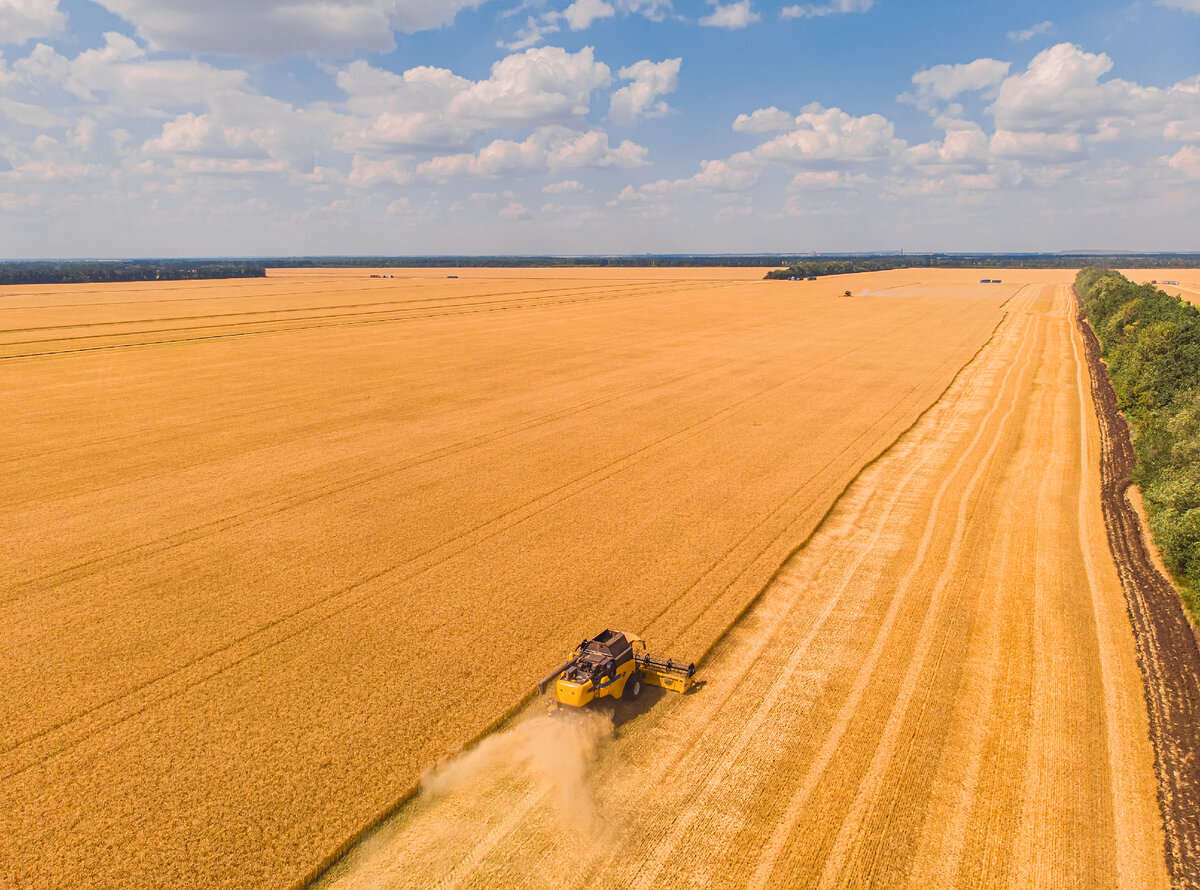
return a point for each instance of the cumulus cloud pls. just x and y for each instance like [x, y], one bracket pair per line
[640, 98]
[433, 107]
[733, 16]
[764, 120]
[817, 10]
[1061, 91]
[1031, 32]
[22, 20]
[547, 149]
[120, 76]
[1186, 161]
[582, 13]
[281, 27]
[941, 83]
[831, 137]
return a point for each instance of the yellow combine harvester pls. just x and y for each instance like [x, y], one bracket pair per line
[616, 665]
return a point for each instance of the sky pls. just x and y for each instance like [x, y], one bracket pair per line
[144, 128]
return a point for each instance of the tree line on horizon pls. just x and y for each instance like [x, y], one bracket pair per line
[819, 266]
[98, 271]
[1150, 342]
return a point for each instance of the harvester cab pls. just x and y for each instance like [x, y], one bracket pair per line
[613, 664]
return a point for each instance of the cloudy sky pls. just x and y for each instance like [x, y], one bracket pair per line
[283, 127]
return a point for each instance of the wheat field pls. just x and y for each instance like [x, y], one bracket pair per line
[272, 548]
[939, 690]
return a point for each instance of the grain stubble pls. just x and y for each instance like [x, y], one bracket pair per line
[939, 690]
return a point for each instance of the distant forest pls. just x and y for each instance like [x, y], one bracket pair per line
[817, 266]
[82, 271]
[794, 266]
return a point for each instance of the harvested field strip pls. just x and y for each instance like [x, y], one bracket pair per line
[940, 689]
[1167, 648]
[254, 579]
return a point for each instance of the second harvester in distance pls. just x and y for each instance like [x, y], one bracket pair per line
[614, 664]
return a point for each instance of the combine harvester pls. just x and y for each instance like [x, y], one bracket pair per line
[613, 665]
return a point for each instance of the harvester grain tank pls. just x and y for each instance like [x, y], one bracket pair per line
[614, 665]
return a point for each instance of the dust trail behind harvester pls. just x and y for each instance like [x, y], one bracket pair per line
[539, 772]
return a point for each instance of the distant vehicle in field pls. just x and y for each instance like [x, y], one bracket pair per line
[847, 294]
[985, 281]
[812, 277]
[451, 276]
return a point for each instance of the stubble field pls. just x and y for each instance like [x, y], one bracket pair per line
[939, 690]
[1188, 287]
[272, 548]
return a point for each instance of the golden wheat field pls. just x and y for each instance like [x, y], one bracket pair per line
[274, 547]
[938, 690]
[1188, 286]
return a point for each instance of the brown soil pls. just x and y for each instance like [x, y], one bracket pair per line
[1166, 646]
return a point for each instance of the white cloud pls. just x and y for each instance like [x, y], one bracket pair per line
[562, 188]
[831, 137]
[578, 16]
[764, 120]
[835, 7]
[1013, 144]
[22, 20]
[536, 29]
[547, 149]
[281, 27]
[965, 144]
[1034, 31]
[121, 78]
[582, 13]
[365, 172]
[732, 15]
[649, 81]
[655, 10]
[1184, 5]
[433, 107]
[1061, 92]
[1186, 161]
[942, 83]
[30, 115]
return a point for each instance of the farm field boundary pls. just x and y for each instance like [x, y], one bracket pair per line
[1167, 652]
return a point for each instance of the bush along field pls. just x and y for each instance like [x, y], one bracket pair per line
[1151, 343]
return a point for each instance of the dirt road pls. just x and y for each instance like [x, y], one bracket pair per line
[940, 689]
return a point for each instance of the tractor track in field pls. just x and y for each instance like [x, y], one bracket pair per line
[938, 690]
[1166, 643]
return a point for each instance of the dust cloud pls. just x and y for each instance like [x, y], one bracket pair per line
[536, 777]
[553, 754]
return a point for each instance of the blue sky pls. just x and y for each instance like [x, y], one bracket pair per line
[168, 127]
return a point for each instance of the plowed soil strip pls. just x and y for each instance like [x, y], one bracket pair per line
[940, 689]
[1167, 651]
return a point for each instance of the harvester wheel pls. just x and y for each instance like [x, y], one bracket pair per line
[633, 687]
